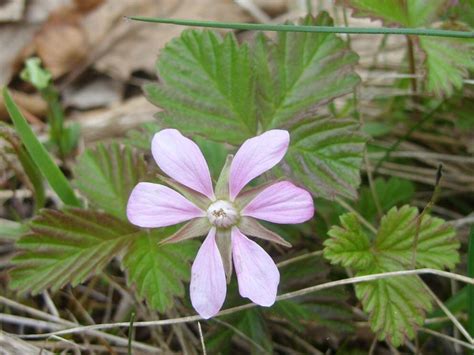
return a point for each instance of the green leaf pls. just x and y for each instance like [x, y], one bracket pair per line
[40, 156]
[447, 63]
[107, 174]
[67, 247]
[349, 245]
[159, 270]
[447, 60]
[325, 155]
[300, 73]
[437, 246]
[396, 306]
[37, 76]
[214, 87]
[395, 12]
[206, 87]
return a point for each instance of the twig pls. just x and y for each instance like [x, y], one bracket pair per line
[447, 337]
[352, 280]
[203, 345]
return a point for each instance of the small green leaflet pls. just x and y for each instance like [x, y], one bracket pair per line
[159, 270]
[447, 61]
[67, 247]
[396, 306]
[107, 174]
[395, 12]
[216, 88]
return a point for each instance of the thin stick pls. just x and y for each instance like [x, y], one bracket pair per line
[447, 337]
[203, 345]
[451, 316]
[241, 334]
[352, 280]
[304, 28]
[299, 258]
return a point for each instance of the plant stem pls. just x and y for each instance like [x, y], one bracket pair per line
[305, 28]
[470, 288]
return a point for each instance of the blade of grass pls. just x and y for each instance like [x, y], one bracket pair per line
[298, 28]
[40, 156]
[470, 288]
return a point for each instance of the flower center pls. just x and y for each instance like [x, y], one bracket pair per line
[222, 214]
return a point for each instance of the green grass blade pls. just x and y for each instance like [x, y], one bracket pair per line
[298, 28]
[40, 156]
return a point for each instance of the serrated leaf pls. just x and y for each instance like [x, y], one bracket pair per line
[436, 247]
[206, 87]
[159, 270]
[67, 247]
[106, 175]
[447, 63]
[447, 60]
[325, 155]
[300, 72]
[349, 245]
[396, 306]
[406, 13]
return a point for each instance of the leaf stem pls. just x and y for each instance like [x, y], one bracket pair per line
[306, 28]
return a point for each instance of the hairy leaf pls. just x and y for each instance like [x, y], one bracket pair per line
[396, 12]
[222, 90]
[300, 72]
[325, 155]
[436, 246]
[447, 60]
[349, 245]
[67, 247]
[159, 270]
[447, 63]
[396, 306]
[206, 87]
[107, 174]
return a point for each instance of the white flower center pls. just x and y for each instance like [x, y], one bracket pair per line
[222, 214]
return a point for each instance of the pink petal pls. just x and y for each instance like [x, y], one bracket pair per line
[153, 205]
[208, 284]
[256, 156]
[282, 203]
[180, 158]
[257, 274]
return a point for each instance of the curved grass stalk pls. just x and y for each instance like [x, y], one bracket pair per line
[351, 280]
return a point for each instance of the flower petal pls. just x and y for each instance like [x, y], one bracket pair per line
[282, 203]
[180, 158]
[153, 205]
[208, 284]
[256, 156]
[257, 274]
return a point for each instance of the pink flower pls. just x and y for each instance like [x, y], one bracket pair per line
[225, 214]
